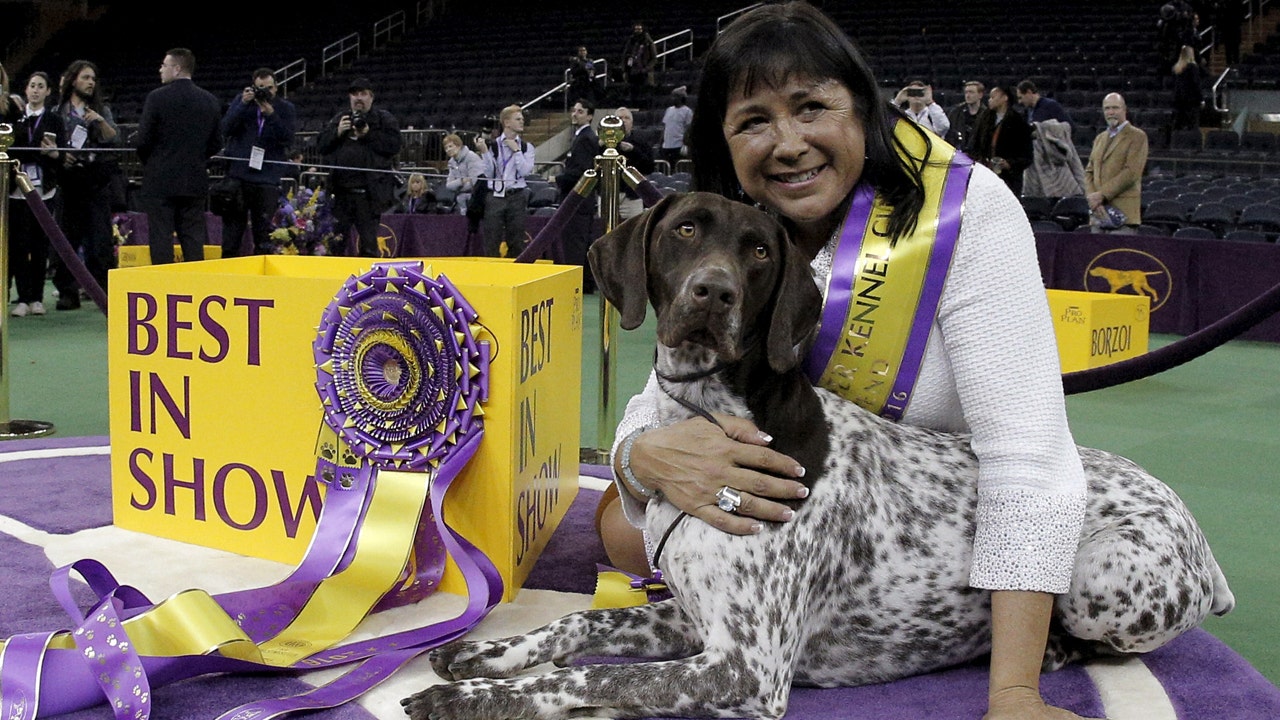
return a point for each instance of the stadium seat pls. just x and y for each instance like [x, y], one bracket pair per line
[1167, 214]
[1221, 142]
[1186, 141]
[1071, 212]
[1242, 235]
[1192, 232]
[1262, 217]
[1214, 216]
[1045, 226]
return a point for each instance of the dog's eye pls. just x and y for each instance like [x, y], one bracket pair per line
[762, 252]
[685, 230]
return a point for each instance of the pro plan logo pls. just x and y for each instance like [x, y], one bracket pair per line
[1129, 272]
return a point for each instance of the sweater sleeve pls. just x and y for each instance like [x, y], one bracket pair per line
[998, 338]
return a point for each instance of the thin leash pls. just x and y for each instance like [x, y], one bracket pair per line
[695, 409]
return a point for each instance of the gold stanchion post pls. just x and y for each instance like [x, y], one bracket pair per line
[609, 165]
[10, 429]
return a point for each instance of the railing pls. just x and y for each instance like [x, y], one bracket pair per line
[1216, 93]
[724, 20]
[598, 62]
[388, 28]
[682, 40]
[341, 51]
[296, 70]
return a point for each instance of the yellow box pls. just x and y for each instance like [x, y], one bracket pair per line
[1096, 329]
[136, 255]
[215, 413]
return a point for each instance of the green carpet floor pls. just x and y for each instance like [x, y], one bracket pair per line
[1209, 428]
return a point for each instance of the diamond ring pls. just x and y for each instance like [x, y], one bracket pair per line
[728, 499]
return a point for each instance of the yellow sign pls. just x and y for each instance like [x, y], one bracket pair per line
[215, 413]
[1096, 329]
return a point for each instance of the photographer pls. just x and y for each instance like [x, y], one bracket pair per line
[259, 129]
[357, 141]
[916, 99]
[508, 159]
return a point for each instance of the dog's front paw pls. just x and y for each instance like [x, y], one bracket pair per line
[466, 701]
[464, 659]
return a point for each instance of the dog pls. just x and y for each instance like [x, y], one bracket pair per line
[869, 580]
[1121, 279]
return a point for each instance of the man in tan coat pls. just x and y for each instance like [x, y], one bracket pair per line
[1113, 176]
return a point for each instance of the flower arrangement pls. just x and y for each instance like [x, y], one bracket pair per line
[303, 223]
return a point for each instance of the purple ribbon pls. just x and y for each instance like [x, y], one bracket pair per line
[398, 301]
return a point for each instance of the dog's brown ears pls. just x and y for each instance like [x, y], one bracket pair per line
[797, 303]
[619, 262]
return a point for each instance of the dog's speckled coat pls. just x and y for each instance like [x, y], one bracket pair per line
[869, 581]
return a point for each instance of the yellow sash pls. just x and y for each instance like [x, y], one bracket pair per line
[882, 297]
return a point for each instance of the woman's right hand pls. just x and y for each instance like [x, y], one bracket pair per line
[690, 461]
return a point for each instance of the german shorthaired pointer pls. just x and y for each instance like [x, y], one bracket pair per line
[869, 581]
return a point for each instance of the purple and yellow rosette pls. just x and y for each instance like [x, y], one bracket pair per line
[399, 370]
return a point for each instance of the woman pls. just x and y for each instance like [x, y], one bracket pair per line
[1188, 90]
[465, 166]
[1003, 138]
[42, 130]
[418, 198]
[10, 102]
[790, 117]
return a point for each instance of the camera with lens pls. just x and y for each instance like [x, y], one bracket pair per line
[488, 124]
[358, 120]
[261, 94]
[915, 92]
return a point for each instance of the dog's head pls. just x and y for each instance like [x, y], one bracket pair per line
[719, 274]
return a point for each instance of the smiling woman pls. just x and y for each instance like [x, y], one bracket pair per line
[791, 118]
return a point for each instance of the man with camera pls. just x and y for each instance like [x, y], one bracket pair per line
[259, 129]
[507, 161]
[916, 99]
[361, 143]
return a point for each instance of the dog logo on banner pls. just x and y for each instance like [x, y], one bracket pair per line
[1129, 272]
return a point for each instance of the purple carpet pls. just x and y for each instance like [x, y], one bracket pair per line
[1202, 679]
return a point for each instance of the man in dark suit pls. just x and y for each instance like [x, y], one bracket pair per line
[576, 236]
[177, 135]
[1003, 138]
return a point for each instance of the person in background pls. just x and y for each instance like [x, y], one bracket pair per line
[465, 166]
[39, 129]
[791, 117]
[582, 76]
[1188, 90]
[86, 180]
[963, 117]
[177, 134]
[1003, 139]
[11, 103]
[675, 125]
[639, 156]
[638, 57]
[916, 100]
[363, 141]
[418, 198]
[259, 127]
[1117, 160]
[577, 234]
[506, 163]
[1038, 107]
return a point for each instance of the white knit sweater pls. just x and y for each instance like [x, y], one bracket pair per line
[990, 368]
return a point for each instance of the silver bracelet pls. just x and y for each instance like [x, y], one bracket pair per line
[628, 475]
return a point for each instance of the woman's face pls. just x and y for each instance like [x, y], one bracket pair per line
[798, 149]
[417, 186]
[37, 90]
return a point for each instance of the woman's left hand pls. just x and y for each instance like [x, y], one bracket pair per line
[1024, 703]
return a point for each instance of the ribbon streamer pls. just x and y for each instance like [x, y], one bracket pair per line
[401, 376]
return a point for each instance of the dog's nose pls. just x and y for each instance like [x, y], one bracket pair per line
[713, 289]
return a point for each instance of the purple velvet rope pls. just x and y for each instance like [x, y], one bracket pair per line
[649, 194]
[1177, 353]
[65, 251]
